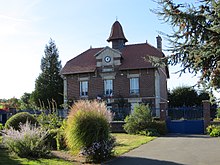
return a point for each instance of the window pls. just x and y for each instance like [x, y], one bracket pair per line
[83, 88]
[108, 87]
[134, 85]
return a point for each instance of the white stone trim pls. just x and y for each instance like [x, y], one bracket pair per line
[83, 79]
[133, 75]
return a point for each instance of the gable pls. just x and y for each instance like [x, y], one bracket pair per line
[108, 57]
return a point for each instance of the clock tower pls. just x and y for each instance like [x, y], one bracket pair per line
[117, 36]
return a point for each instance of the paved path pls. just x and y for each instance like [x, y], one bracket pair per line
[174, 150]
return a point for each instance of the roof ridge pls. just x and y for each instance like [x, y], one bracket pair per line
[144, 43]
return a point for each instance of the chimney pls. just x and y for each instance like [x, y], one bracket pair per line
[159, 42]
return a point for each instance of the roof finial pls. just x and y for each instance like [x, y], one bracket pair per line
[116, 18]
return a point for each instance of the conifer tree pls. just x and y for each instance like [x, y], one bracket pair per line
[49, 84]
[195, 41]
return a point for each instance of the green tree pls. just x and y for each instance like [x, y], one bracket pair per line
[186, 96]
[49, 84]
[195, 40]
[26, 102]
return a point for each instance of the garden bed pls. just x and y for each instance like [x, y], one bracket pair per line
[124, 143]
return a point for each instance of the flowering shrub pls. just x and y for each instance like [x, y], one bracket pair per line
[28, 141]
[99, 150]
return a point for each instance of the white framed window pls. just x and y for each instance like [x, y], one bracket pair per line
[83, 88]
[108, 87]
[134, 85]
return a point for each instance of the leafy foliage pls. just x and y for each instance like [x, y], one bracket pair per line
[26, 102]
[213, 130]
[218, 113]
[54, 124]
[195, 40]
[186, 96]
[86, 125]
[1, 126]
[27, 142]
[49, 84]
[138, 120]
[49, 121]
[159, 126]
[141, 122]
[99, 150]
[22, 118]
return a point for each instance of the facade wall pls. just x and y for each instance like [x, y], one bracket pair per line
[163, 85]
[121, 84]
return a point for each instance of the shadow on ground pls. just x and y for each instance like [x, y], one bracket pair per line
[138, 161]
[5, 159]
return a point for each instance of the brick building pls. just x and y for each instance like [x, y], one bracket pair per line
[117, 73]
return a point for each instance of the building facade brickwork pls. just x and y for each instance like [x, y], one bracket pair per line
[117, 73]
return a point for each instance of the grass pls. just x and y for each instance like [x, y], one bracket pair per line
[126, 142]
[6, 158]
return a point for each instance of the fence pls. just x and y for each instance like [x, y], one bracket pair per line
[185, 113]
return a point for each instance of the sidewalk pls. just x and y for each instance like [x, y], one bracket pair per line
[174, 150]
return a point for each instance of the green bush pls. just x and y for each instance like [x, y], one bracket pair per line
[210, 128]
[159, 126]
[149, 132]
[60, 140]
[50, 141]
[49, 121]
[87, 124]
[55, 138]
[28, 142]
[138, 120]
[213, 130]
[218, 113]
[20, 118]
[1, 126]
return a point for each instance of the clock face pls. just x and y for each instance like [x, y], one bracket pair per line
[107, 59]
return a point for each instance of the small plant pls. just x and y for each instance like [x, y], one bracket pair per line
[28, 141]
[20, 118]
[87, 124]
[99, 150]
[138, 120]
[49, 121]
[1, 126]
[149, 132]
[213, 130]
[218, 113]
[159, 126]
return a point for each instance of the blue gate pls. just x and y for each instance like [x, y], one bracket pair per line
[185, 120]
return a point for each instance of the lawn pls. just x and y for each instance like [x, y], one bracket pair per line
[124, 143]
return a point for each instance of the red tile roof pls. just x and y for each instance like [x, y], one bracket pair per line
[85, 62]
[132, 58]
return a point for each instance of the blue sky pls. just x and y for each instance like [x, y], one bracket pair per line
[27, 26]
